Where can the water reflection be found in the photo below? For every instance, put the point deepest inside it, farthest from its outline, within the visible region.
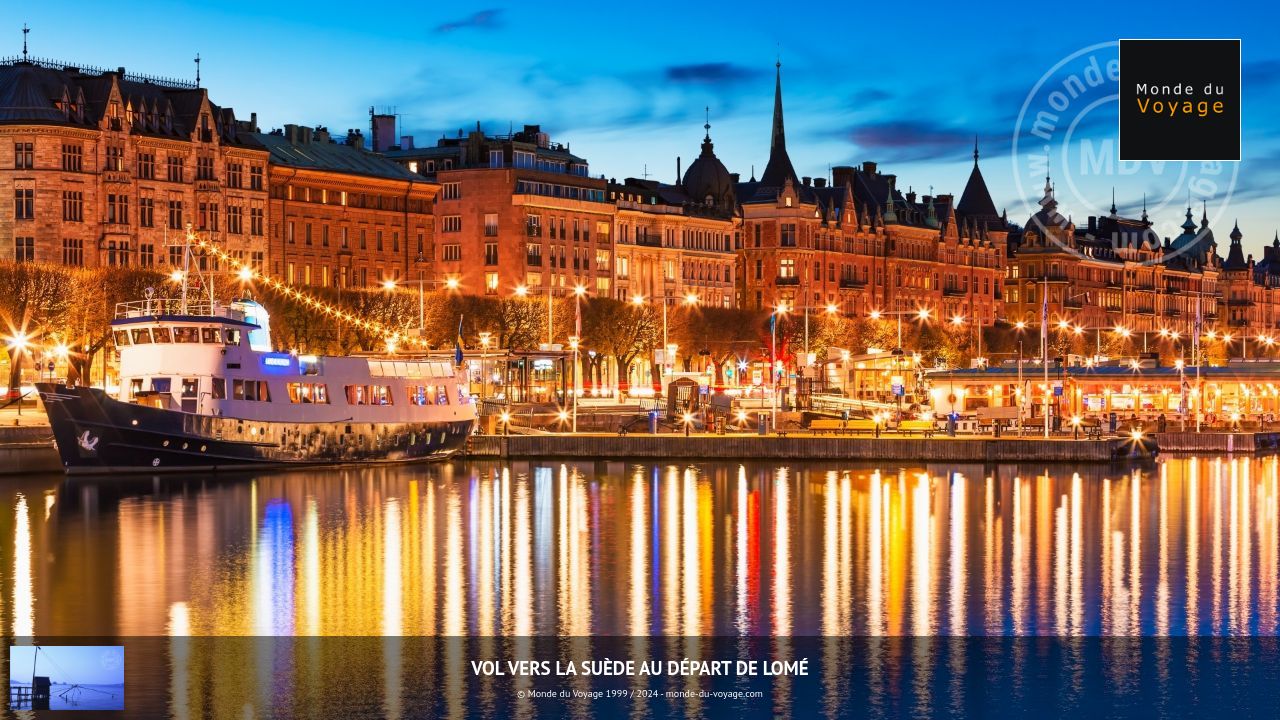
(1187, 546)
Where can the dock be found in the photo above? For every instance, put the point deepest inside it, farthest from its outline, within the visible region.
(975, 449)
(1220, 442)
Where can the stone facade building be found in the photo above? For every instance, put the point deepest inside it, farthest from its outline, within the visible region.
(343, 216)
(108, 168)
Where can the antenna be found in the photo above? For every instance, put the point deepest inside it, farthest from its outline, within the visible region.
(25, 31)
(197, 69)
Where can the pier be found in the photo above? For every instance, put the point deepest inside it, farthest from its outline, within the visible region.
(801, 447)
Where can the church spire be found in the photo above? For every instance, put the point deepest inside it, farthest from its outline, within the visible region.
(779, 168)
(975, 201)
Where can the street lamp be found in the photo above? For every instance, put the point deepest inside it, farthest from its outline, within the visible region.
(485, 337)
(773, 360)
(573, 343)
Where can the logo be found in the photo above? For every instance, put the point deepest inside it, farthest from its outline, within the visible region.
(87, 442)
(1180, 100)
(1067, 165)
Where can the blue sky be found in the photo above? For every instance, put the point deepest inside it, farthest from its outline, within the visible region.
(83, 665)
(907, 86)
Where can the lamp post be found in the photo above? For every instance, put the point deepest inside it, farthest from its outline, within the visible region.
(921, 314)
(573, 343)
(485, 337)
(578, 292)
(773, 360)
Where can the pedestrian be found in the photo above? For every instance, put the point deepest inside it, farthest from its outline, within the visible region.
(1161, 423)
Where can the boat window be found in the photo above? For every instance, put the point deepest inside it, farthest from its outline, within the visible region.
(210, 335)
(161, 384)
(219, 389)
(135, 387)
(308, 393)
(442, 395)
(162, 334)
(463, 398)
(308, 365)
(253, 390)
(141, 336)
(418, 394)
(122, 338)
(231, 336)
(368, 395)
(190, 387)
(186, 334)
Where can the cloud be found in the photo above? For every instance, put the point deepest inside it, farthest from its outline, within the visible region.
(869, 96)
(710, 73)
(1261, 73)
(907, 140)
(490, 19)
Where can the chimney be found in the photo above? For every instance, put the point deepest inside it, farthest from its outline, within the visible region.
(735, 177)
(806, 180)
(868, 167)
(321, 134)
(291, 133)
(841, 175)
(819, 182)
(678, 174)
(253, 121)
(1093, 225)
(355, 138)
(406, 142)
(120, 71)
(911, 196)
(384, 131)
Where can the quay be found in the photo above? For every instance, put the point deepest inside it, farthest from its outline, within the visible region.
(795, 446)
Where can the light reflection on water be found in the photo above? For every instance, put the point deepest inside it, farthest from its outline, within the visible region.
(1187, 546)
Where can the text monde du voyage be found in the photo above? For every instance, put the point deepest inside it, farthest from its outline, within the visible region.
(631, 668)
(1180, 99)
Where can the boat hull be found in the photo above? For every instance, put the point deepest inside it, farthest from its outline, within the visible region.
(98, 434)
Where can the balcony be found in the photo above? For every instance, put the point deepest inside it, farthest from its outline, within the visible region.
(534, 261)
(116, 176)
(953, 292)
(851, 283)
(1239, 302)
(649, 241)
(788, 280)
(208, 186)
(533, 230)
(1172, 312)
(1144, 311)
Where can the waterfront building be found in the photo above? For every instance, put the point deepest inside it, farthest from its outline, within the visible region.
(1116, 275)
(107, 167)
(342, 216)
(861, 244)
(517, 214)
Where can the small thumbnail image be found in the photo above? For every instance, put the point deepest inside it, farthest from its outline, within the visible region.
(66, 677)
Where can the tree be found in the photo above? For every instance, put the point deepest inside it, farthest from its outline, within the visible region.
(623, 331)
(33, 302)
(95, 293)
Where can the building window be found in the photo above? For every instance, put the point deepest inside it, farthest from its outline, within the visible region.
(306, 233)
(24, 203)
(788, 234)
(146, 255)
(24, 249)
(234, 171)
(759, 269)
(491, 225)
(256, 221)
(173, 168)
(234, 220)
(452, 191)
(787, 268)
(289, 228)
(175, 214)
(624, 268)
(344, 237)
(118, 209)
(534, 254)
(72, 251)
(204, 167)
(602, 260)
(115, 158)
(146, 166)
(118, 254)
(324, 236)
(491, 253)
(495, 158)
(175, 255)
(24, 155)
(72, 157)
(377, 234)
(255, 177)
(72, 206)
(491, 283)
(452, 224)
(452, 253)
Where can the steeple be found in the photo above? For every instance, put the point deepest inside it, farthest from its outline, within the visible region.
(975, 201)
(889, 214)
(1235, 256)
(1189, 225)
(1048, 202)
(1144, 209)
(779, 167)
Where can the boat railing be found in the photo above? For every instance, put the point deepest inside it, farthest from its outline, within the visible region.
(174, 306)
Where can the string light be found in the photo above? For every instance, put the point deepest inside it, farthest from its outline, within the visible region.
(392, 336)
